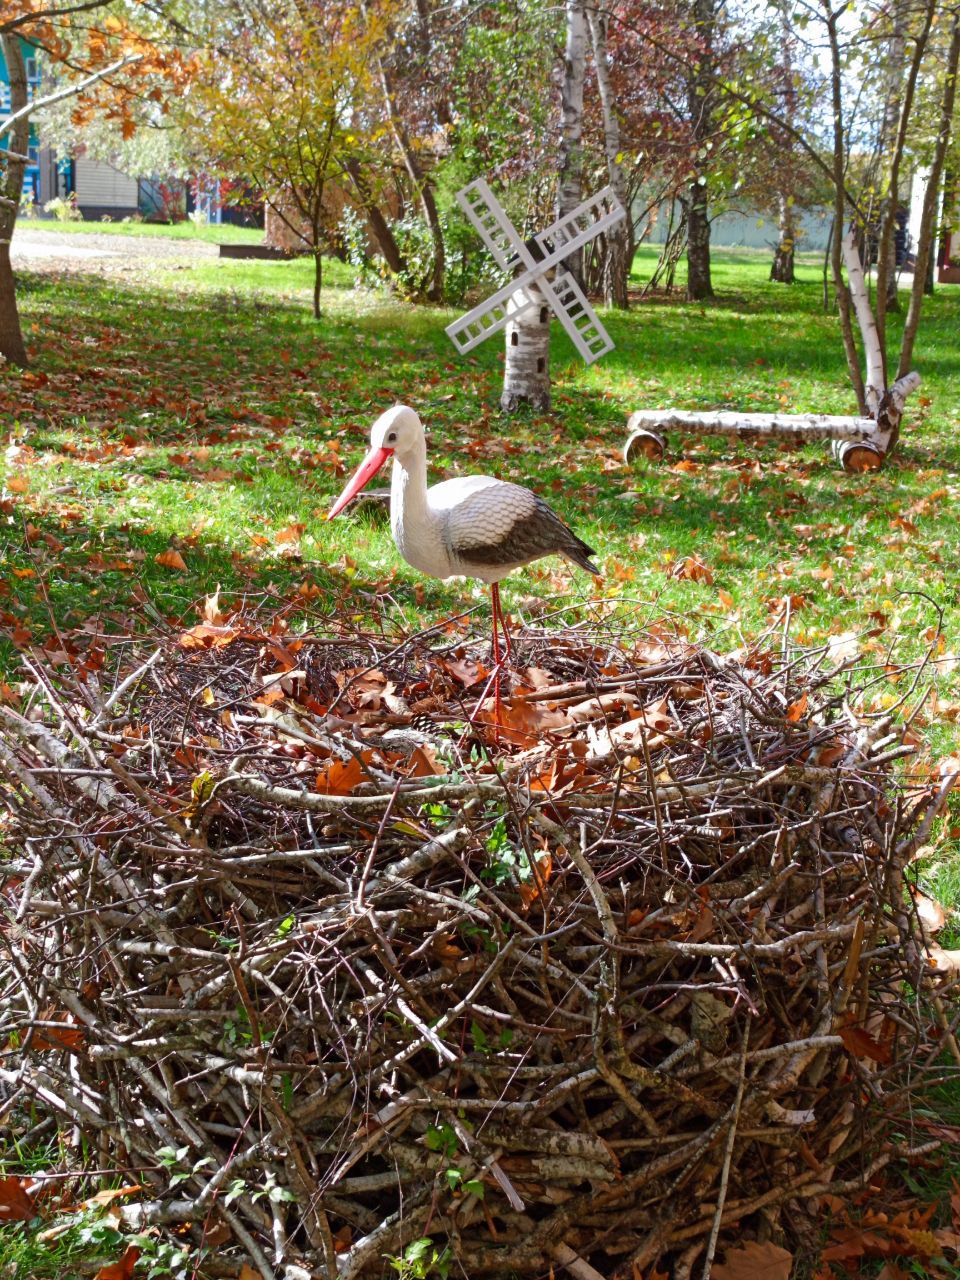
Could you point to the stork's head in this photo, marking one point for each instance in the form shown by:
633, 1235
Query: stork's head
398, 431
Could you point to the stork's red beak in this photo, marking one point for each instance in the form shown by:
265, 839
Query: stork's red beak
367, 469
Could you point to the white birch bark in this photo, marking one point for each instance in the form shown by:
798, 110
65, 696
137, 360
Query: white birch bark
893, 92
859, 444
776, 426
616, 266
526, 371
570, 185
931, 198
873, 353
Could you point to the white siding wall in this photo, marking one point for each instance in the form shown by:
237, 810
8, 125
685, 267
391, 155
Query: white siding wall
102, 185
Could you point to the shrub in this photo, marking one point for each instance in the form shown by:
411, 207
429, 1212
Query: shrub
64, 208
467, 266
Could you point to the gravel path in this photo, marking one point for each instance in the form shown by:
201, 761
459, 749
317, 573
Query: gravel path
39, 249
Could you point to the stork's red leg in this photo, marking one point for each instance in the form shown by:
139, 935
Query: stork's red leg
497, 616
495, 596
503, 624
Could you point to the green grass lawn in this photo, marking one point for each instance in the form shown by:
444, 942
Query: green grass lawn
213, 234
204, 412
208, 411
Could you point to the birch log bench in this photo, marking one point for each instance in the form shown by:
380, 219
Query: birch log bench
860, 442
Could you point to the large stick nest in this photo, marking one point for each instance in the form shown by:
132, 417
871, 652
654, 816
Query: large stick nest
606, 985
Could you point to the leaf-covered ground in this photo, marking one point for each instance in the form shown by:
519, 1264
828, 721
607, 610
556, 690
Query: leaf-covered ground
192, 430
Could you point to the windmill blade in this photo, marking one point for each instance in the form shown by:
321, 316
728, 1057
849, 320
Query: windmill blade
501, 307
575, 229
565, 299
491, 316
492, 225
563, 294
575, 313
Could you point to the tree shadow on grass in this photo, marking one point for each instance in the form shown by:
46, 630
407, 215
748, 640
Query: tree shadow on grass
402, 350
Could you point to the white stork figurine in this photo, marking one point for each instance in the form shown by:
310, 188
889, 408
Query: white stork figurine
473, 526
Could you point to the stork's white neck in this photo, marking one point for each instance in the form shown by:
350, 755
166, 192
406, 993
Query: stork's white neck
408, 491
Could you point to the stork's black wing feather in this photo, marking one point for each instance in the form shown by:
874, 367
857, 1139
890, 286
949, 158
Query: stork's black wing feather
539, 533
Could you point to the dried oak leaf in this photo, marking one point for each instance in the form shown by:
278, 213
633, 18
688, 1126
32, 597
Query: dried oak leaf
342, 777
465, 670
15, 1204
171, 559
795, 711
929, 912
754, 1261
104, 1198
520, 722
943, 961
207, 636
694, 569
290, 535
211, 610
67, 1036
122, 1269
862, 1045
424, 763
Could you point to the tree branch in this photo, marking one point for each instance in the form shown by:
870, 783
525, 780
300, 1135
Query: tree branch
68, 91
43, 15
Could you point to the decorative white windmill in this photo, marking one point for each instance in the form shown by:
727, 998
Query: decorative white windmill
542, 286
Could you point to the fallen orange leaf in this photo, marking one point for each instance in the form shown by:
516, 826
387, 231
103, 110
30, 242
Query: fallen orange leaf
796, 709
530, 890
66, 1036
342, 777
15, 1204
103, 1198
211, 610
754, 1261
423, 764
206, 636
857, 1042
171, 559
292, 533
122, 1269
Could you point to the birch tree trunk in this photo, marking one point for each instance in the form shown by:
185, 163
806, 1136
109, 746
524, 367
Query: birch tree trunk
700, 110
570, 186
526, 372
886, 261
11, 185
886, 257
840, 207
928, 218
699, 283
616, 266
782, 269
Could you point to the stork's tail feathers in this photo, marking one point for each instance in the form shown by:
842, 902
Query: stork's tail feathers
578, 553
